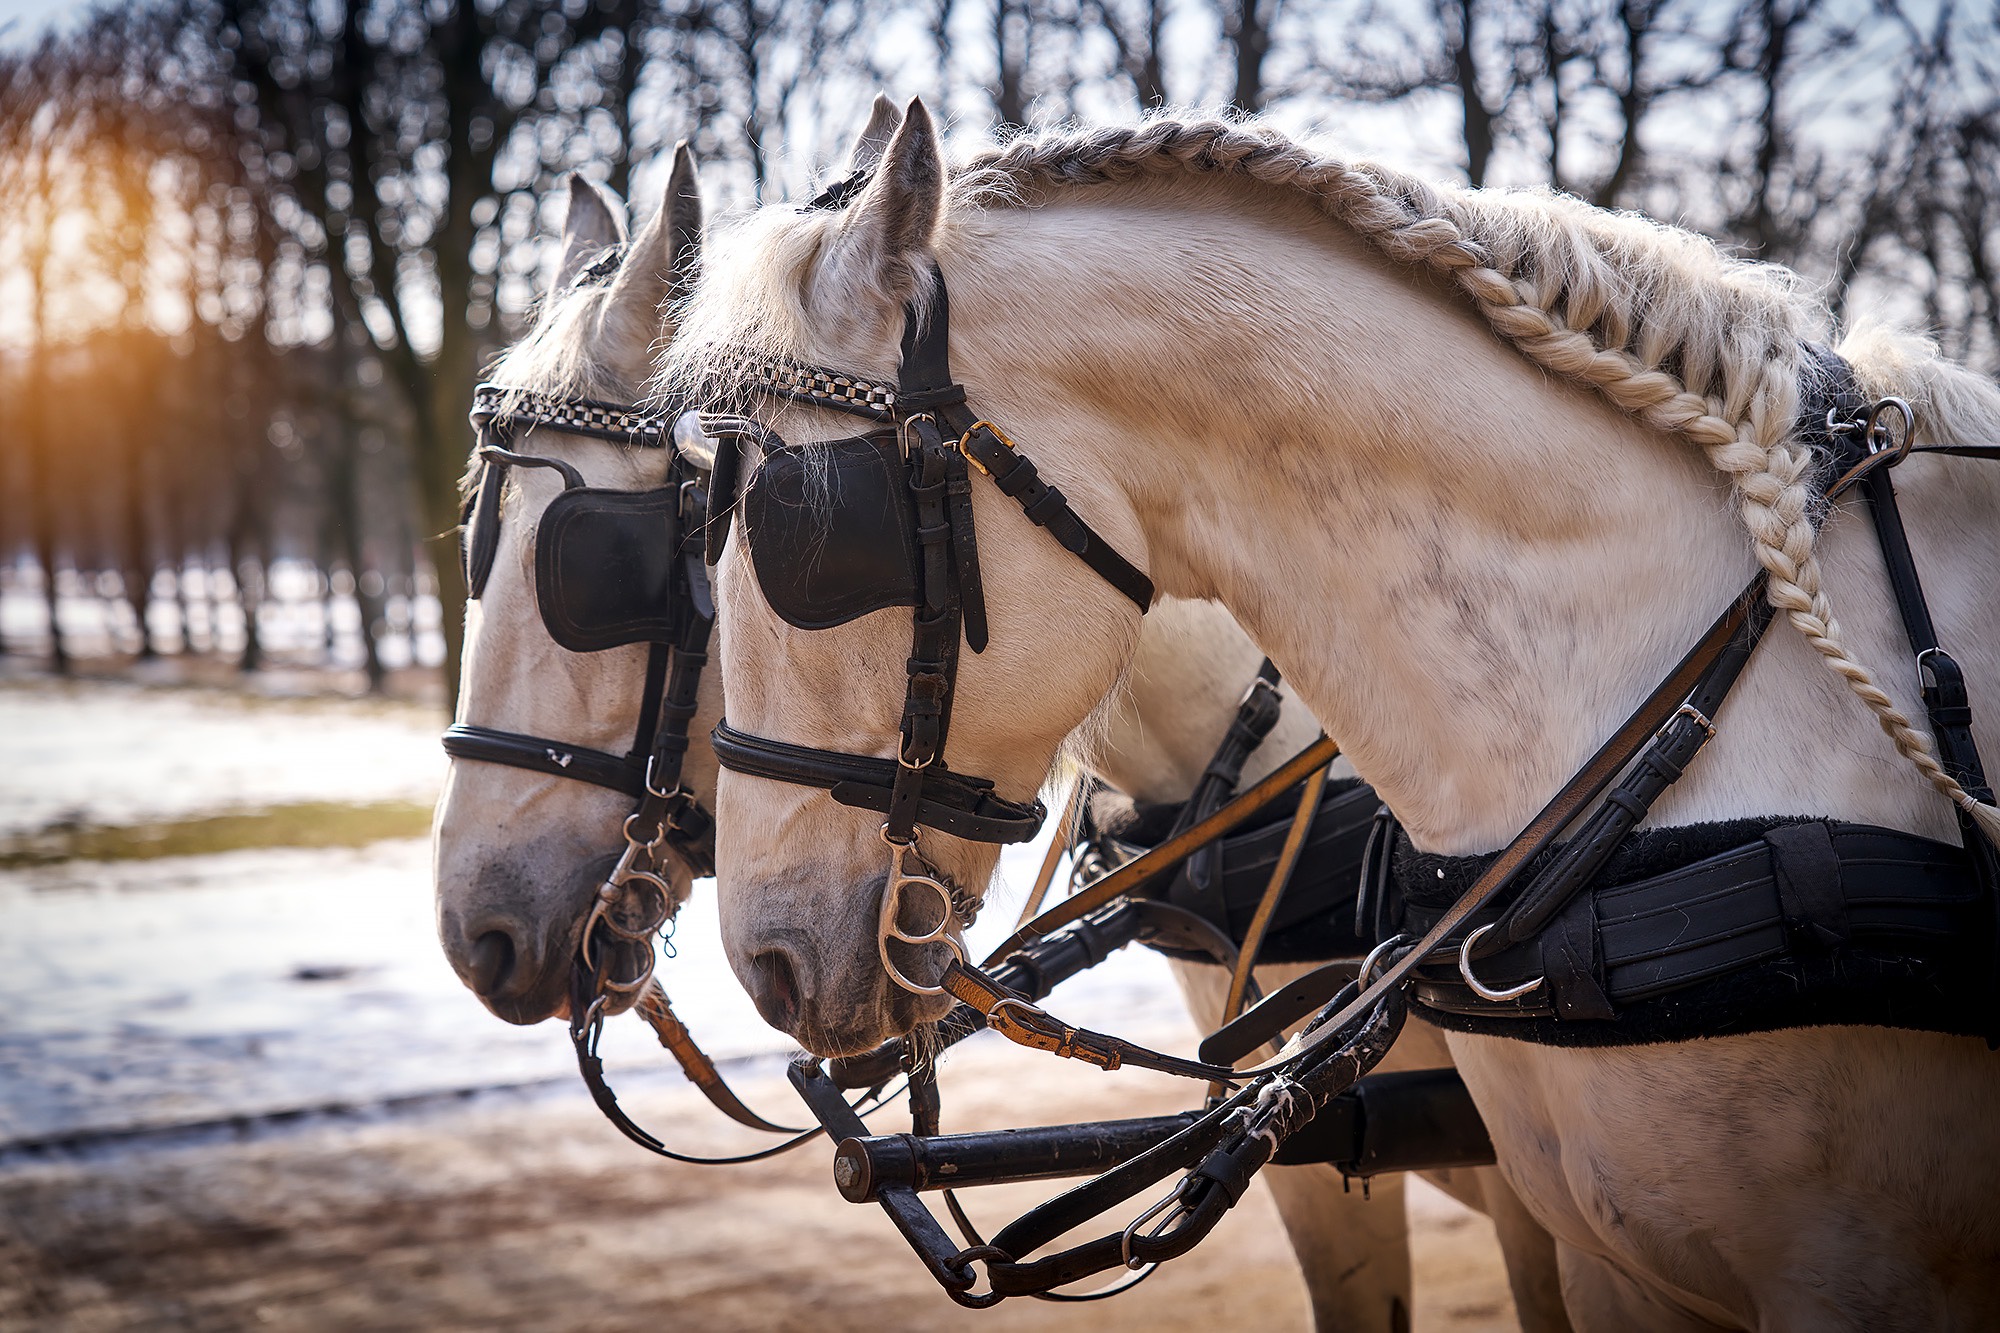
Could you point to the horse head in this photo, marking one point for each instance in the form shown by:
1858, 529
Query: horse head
520, 853
804, 872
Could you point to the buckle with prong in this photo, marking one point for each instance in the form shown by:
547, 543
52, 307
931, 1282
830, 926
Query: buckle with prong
965, 440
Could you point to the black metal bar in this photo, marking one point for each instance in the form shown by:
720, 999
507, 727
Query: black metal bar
937, 1250
1413, 1121
863, 1166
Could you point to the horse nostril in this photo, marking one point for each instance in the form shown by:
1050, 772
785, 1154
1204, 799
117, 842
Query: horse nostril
492, 961
777, 988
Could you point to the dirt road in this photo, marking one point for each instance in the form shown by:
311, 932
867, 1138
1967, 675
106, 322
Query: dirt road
531, 1213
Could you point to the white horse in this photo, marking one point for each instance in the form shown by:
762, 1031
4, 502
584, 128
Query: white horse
1475, 469
518, 854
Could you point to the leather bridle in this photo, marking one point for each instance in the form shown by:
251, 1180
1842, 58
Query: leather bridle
940, 443
668, 816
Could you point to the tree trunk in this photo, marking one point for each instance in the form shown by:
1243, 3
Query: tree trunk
1248, 26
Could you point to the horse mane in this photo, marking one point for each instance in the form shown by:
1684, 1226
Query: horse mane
1658, 320
561, 353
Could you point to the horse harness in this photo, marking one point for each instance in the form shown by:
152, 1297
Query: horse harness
840, 528
1527, 893
615, 568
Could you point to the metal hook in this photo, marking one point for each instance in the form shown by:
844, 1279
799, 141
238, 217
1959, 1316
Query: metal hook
1480, 988
1125, 1241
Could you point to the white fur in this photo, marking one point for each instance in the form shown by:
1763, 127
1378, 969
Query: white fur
1471, 572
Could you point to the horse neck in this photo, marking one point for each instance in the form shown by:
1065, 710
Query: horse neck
1180, 694
1471, 574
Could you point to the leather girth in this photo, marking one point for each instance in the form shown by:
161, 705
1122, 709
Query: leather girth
1750, 925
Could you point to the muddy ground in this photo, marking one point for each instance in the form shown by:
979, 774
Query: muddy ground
529, 1212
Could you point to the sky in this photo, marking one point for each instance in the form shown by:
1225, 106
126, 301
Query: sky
22, 21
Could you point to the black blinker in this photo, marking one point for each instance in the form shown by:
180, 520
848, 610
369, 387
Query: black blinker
831, 532
605, 567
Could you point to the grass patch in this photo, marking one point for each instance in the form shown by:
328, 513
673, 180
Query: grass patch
302, 824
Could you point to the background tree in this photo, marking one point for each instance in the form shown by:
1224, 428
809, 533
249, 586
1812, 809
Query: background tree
254, 252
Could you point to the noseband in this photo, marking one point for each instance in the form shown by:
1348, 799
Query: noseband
931, 443
612, 568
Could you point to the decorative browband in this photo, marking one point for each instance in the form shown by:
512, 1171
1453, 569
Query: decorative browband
584, 416
807, 384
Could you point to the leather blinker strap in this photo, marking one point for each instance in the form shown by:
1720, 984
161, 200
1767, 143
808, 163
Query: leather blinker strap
932, 669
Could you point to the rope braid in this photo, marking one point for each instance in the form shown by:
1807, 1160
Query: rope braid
1582, 293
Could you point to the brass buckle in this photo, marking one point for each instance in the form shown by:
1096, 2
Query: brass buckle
990, 429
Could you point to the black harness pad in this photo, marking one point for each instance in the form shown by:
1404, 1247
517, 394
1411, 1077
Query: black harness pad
604, 567
831, 530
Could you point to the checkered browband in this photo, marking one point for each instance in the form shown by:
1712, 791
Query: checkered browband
739, 371
582, 416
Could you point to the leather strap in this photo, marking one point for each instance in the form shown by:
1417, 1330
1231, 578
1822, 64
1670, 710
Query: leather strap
1588, 783
614, 422
659, 1014
954, 803
1661, 765
1173, 851
1797, 889
1199, 886
1047, 507
1281, 878
619, 773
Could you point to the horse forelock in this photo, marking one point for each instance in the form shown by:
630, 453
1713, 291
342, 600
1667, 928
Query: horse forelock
562, 354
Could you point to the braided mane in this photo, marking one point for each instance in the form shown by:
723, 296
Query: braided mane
1657, 320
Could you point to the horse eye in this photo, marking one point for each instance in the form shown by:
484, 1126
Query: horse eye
692, 442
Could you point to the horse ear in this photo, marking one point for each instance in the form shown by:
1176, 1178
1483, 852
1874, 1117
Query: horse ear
660, 259
589, 229
895, 217
683, 213
883, 118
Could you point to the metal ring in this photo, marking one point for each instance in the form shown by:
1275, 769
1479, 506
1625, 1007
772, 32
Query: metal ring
1374, 956
1479, 988
1874, 427
627, 987
886, 928
654, 922
650, 844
